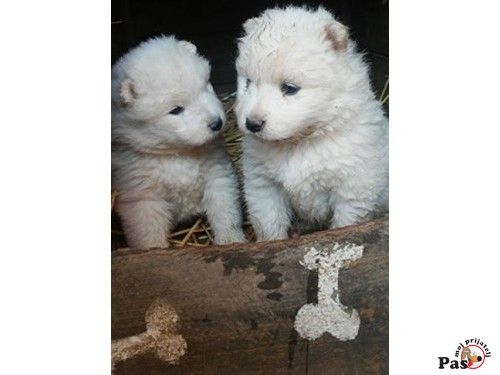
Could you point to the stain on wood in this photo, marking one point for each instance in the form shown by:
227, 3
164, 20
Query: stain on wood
237, 305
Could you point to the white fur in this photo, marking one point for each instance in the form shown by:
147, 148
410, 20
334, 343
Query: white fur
169, 167
322, 155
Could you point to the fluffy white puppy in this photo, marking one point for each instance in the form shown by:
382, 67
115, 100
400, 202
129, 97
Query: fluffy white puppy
316, 139
168, 164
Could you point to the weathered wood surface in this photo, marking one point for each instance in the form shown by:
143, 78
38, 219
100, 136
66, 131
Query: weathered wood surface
237, 305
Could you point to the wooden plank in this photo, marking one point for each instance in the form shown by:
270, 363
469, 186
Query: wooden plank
238, 303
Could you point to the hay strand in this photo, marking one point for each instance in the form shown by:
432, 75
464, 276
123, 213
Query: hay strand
209, 235
178, 243
190, 233
385, 99
114, 193
384, 96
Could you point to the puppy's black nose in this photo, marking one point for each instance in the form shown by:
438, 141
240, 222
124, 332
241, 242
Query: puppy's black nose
254, 126
479, 358
216, 125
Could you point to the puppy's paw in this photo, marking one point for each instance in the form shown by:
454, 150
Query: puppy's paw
145, 244
230, 237
162, 245
149, 243
270, 234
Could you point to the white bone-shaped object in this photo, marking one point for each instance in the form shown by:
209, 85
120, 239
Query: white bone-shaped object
329, 315
160, 338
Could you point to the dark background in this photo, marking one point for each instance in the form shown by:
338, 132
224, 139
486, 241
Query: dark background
213, 27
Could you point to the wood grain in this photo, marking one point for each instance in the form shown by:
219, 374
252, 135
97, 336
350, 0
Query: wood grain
237, 305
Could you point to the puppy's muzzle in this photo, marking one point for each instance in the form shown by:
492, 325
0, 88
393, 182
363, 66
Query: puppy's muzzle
254, 126
216, 125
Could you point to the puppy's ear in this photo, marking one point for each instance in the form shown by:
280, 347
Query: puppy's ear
338, 35
465, 352
190, 46
127, 93
249, 24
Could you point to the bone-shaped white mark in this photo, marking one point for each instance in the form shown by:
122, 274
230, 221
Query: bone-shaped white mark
329, 315
160, 338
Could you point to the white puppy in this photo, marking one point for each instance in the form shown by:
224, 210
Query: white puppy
316, 139
167, 162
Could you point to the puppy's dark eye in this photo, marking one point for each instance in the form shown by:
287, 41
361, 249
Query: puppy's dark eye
247, 83
176, 110
289, 88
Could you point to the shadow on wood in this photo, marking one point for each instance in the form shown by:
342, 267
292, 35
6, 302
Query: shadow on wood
237, 305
